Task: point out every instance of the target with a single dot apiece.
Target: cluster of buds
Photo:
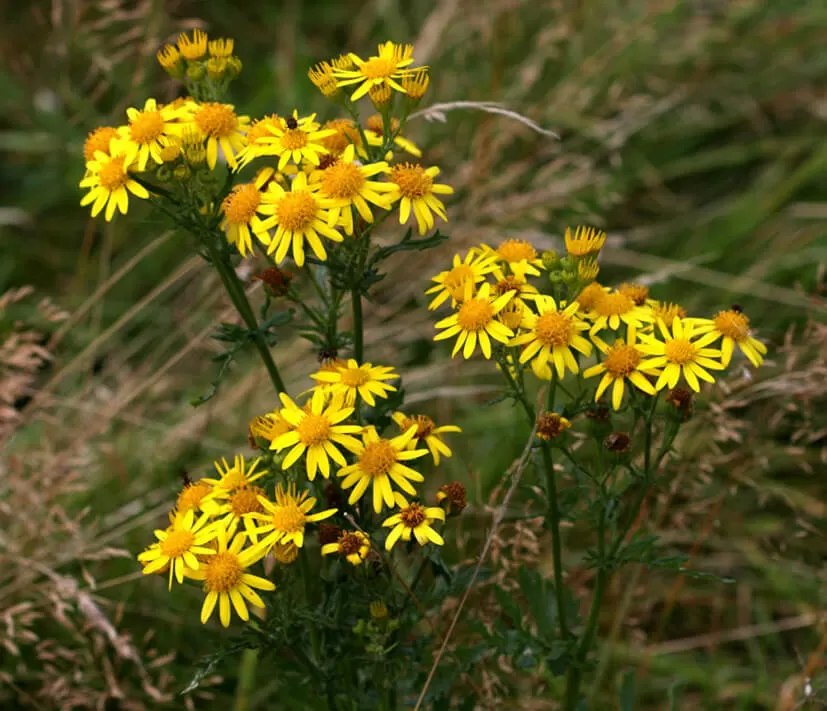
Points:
(579, 267)
(205, 66)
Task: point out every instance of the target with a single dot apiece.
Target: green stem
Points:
(553, 521)
(358, 336)
(236, 292)
(246, 679)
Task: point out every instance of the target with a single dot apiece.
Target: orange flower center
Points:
(475, 314)
(222, 572)
(732, 324)
(346, 134)
(233, 479)
(112, 175)
(413, 516)
(378, 458)
(354, 377)
(622, 360)
(553, 329)
(216, 120)
(378, 68)
(679, 351)
(455, 280)
(350, 543)
(412, 180)
(342, 180)
(589, 296)
(313, 429)
(146, 127)
(614, 304)
(296, 210)
(509, 283)
(516, 250)
(293, 139)
(98, 140)
(241, 204)
(177, 543)
(190, 497)
(636, 292)
(245, 501)
(289, 518)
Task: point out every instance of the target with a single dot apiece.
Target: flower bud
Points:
(196, 71)
(378, 610)
(182, 173)
(234, 66)
(551, 260)
(216, 67)
(163, 174)
(568, 277)
(550, 425)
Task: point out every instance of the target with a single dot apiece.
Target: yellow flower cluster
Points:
(649, 344)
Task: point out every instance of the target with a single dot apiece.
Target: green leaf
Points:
(674, 688)
(628, 691)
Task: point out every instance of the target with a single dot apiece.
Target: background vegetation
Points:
(691, 130)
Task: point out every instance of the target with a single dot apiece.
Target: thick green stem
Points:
(358, 335)
(236, 292)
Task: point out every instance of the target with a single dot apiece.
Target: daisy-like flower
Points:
(732, 327)
(353, 545)
(551, 334)
(637, 293)
(623, 362)
(109, 182)
(379, 462)
(427, 433)
(666, 312)
(178, 545)
(385, 69)
(520, 255)
(269, 426)
(98, 140)
(194, 48)
(415, 520)
(344, 133)
(285, 519)
(585, 241)
(517, 284)
(346, 181)
(296, 139)
(236, 509)
(475, 322)
(613, 308)
(169, 57)
(414, 186)
(259, 128)
(375, 135)
(589, 296)
(232, 478)
(226, 581)
(192, 495)
(222, 128)
(316, 431)
(241, 216)
(221, 47)
(471, 269)
(150, 127)
(322, 77)
(681, 353)
(352, 379)
(300, 214)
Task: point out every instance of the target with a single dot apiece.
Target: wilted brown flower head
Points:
(452, 497)
(551, 425)
(276, 280)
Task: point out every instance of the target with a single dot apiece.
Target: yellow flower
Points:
(520, 256)
(294, 138)
(285, 553)
(241, 217)
(220, 47)
(475, 322)
(225, 579)
(585, 241)
(732, 327)
(378, 462)
(636, 292)
(589, 296)
(237, 508)
(471, 269)
(415, 83)
(192, 495)
(98, 140)
(168, 57)
(353, 545)
(613, 308)
(344, 133)
(300, 215)
(352, 379)
(178, 545)
(679, 354)
(375, 134)
(347, 181)
(666, 312)
(151, 126)
(384, 69)
(414, 186)
(269, 426)
(516, 284)
(234, 477)
(322, 77)
(286, 519)
(194, 48)
(414, 519)
(109, 182)
(255, 148)
(316, 431)
(427, 432)
(623, 361)
(551, 336)
(221, 127)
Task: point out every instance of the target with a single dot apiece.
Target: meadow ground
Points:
(691, 131)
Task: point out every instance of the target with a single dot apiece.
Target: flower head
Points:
(587, 298)
(585, 241)
(322, 77)
(98, 140)
(611, 308)
(520, 255)
(284, 520)
(666, 312)
(232, 478)
(343, 133)
(415, 188)
(379, 463)
(415, 83)
(300, 215)
(192, 495)
(316, 432)
(551, 336)
(109, 181)
(351, 379)
(682, 352)
(222, 128)
(151, 128)
(415, 520)
(169, 58)
(241, 217)
(732, 327)
(226, 581)
(452, 497)
(220, 47)
(353, 545)
(427, 433)
(470, 269)
(178, 545)
(550, 425)
(293, 138)
(386, 68)
(623, 361)
(636, 292)
(475, 322)
(269, 426)
(194, 48)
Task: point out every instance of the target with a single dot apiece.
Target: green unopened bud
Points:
(163, 174)
(568, 264)
(196, 156)
(550, 259)
(196, 71)
(205, 177)
(182, 173)
(234, 66)
(555, 277)
(568, 277)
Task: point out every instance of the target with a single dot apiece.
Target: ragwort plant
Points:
(321, 544)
